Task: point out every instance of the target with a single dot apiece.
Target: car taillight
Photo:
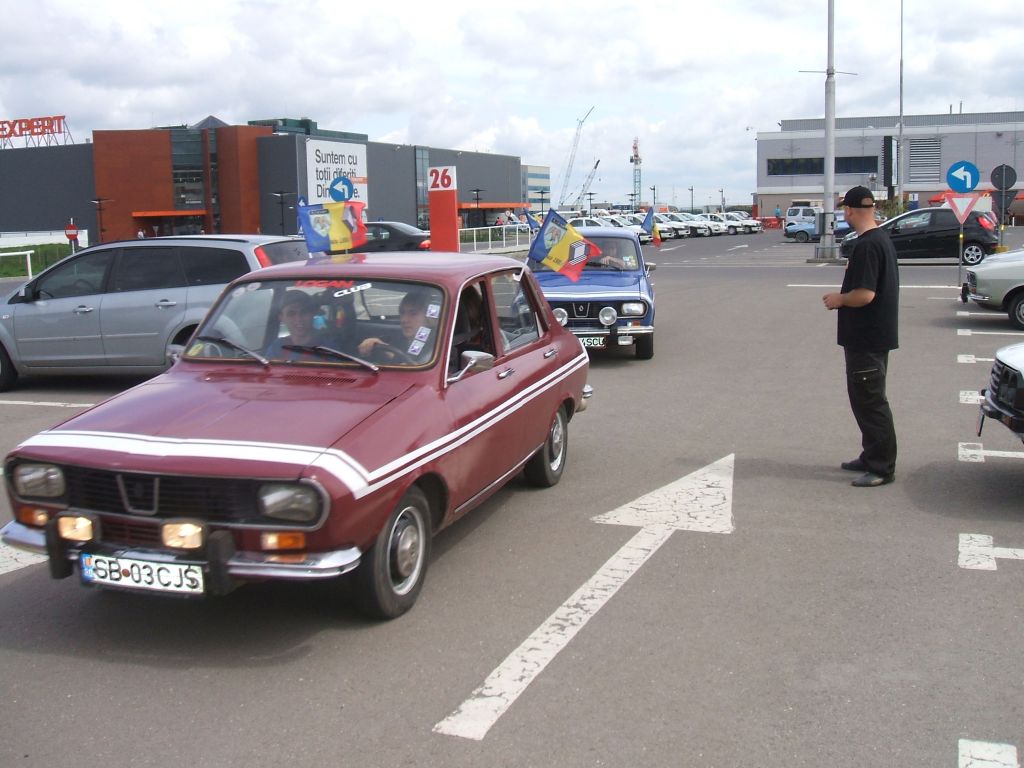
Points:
(424, 246)
(262, 257)
(986, 222)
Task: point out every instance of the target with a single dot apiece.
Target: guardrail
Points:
(489, 238)
(26, 254)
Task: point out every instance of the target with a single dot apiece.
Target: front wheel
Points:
(1017, 310)
(545, 467)
(732, 230)
(645, 347)
(392, 572)
(973, 254)
(801, 237)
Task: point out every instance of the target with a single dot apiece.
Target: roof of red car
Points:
(411, 265)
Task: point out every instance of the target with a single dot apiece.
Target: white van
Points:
(803, 213)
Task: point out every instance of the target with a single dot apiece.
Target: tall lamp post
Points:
(476, 198)
(654, 197)
(282, 196)
(691, 199)
(590, 203)
(98, 202)
(722, 193)
(542, 193)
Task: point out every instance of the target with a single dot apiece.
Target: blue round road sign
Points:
(341, 189)
(963, 176)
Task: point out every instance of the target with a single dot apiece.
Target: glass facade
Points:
(422, 202)
(815, 166)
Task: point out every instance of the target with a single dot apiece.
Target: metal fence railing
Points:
(512, 237)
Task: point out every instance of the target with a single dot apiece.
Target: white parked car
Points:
(637, 228)
(669, 228)
(697, 227)
(747, 223)
(718, 227)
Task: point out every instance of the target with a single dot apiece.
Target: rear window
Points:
(283, 251)
(212, 266)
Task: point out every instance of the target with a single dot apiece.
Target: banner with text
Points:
(336, 172)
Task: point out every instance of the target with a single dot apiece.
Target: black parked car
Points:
(394, 236)
(930, 233)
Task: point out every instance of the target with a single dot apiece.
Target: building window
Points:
(815, 166)
(422, 173)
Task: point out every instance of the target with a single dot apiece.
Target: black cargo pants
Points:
(865, 384)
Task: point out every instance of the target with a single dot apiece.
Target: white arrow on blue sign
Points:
(341, 189)
(963, 176)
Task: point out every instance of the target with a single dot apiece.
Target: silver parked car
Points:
(998, 283)
(125, 307)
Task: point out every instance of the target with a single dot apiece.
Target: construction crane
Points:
(635, 160)
(578, 200)
(572, 158)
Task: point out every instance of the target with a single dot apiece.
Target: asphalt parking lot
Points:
(797, 621)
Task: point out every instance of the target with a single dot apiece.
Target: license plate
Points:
(140, 574)
(593, 342)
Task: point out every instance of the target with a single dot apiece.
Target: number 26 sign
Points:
(441, 179)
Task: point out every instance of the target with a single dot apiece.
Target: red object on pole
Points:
(71, 231)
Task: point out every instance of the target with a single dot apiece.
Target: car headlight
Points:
(633, 308)
(561, 316)
(295, 503)
(607, 316)
(182, 534)
(39, 480)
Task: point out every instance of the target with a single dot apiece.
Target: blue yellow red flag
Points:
(560, 247)
(333, 227)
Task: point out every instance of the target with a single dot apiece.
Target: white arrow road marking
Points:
(987, 754)
(973, 359)
(700, 501)
(969, 332)
(975, 453)
(970, 397)
(978, 553)
(12, 559)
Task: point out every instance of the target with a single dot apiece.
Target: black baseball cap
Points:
(857, 196)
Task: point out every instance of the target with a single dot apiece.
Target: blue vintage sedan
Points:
(612, 304)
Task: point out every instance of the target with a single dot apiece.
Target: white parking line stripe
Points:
(977, 552)
(987, 754)
(996, 315)
(973, 359)
(12, 559)
(833, 285)
(970, 397)
(973, 452)
(46, 403)
(969, 332)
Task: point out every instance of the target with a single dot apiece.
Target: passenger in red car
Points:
(297, 313)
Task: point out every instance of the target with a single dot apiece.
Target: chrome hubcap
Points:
(556, 443)
(405, 550)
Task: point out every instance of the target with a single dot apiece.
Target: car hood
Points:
(1013, 356)
(592, 283)
(999, 259)
(187, 422)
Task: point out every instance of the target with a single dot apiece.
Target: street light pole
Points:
(476, 196)
(281, 195)
(590, 203)
(542, 194)
(98, 202)
(691, 199)
(654, 197)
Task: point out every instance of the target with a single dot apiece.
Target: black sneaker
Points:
(871, 480)
(855, 466)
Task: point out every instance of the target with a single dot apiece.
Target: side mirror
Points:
(651, 266)
(472, 361)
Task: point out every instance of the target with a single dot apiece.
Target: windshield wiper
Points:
(330, 353)
(229, 343)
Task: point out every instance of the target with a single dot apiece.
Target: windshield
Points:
(382, 322)
(618, 254)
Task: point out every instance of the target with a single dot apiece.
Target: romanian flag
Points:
(651, 227)
(333, 227)
(560, 247)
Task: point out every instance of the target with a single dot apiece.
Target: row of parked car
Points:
(676, 224)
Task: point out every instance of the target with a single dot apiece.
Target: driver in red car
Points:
(413, 342)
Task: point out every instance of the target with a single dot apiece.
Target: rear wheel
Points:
(545, 467)
(1017, 310)
(732, 230)
(973, 254)
(645, 347)
(801, 237)
(392, 572)
(7, 373)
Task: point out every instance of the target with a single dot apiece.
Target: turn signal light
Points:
(182, 535)
(277, 540)
(34, 516)
(74, 528)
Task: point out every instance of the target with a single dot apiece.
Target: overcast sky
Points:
(693, 82)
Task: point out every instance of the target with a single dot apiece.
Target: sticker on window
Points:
(415, 347)
(423, 333)
(433, 310)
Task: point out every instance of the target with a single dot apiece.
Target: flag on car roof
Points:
(333, 227)
(650, 226)
(560, 247)
(532, 221)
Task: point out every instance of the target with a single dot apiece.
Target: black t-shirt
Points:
(872, 265)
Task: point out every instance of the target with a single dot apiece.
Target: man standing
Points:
(868, 305)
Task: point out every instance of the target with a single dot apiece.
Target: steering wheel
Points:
(394, 353)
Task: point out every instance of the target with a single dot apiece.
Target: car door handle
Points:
(81, 309)
(165, 304)
(506, 373)
(550, 353)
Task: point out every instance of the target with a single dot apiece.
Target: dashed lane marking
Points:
(969, 332)
(46, 403)
(987, 754)
(970, 359)
(978, 553)
(970, 397)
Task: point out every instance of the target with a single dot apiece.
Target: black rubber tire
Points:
(801, 237)
(392, 571)
(974, 254)
(732, 230)
(8, 375)
(1016, 310)
(545, 467)
(644, 347)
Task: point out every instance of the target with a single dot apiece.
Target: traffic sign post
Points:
(71, 233)
(963, 176)
(961, 205)
(1003, 178)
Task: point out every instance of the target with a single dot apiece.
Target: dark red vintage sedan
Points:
(327, 417)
